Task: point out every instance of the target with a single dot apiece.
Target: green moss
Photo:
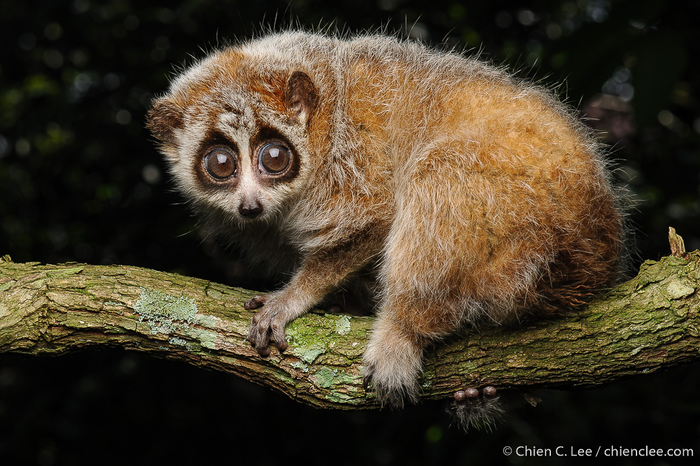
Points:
(348, 349)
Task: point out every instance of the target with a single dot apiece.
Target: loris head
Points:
(235, 132)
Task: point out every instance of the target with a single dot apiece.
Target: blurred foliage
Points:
(80, 180)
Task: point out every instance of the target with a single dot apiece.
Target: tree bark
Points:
(649, 323)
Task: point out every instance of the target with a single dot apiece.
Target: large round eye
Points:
(220, 163)
(274, 158)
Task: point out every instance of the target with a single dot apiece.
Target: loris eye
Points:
(220, 163)
(274, 158)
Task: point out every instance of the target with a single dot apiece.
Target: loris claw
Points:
(255, 302)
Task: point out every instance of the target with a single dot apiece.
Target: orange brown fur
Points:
(464, 194)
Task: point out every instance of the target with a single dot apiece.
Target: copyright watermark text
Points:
(600, 451)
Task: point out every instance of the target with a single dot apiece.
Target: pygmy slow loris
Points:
(450, 191)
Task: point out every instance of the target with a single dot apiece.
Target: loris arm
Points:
(322, 272)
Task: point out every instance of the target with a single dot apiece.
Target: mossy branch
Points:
(649, 323)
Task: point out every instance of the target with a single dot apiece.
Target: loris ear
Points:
(300, 96)
(164, 117)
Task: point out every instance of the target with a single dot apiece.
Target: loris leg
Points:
(393, 361)
(393, 358)
(441, 268)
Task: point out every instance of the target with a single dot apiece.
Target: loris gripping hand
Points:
(268, 322)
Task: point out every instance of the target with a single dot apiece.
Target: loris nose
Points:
(250, 209)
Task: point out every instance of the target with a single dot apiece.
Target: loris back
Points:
(452, 191)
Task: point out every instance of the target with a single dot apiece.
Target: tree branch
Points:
(649, 323)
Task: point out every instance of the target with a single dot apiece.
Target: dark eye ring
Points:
(274, 158)
(220, 163)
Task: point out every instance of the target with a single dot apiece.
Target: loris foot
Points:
(476, 409)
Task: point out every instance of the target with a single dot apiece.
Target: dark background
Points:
(80, 180)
